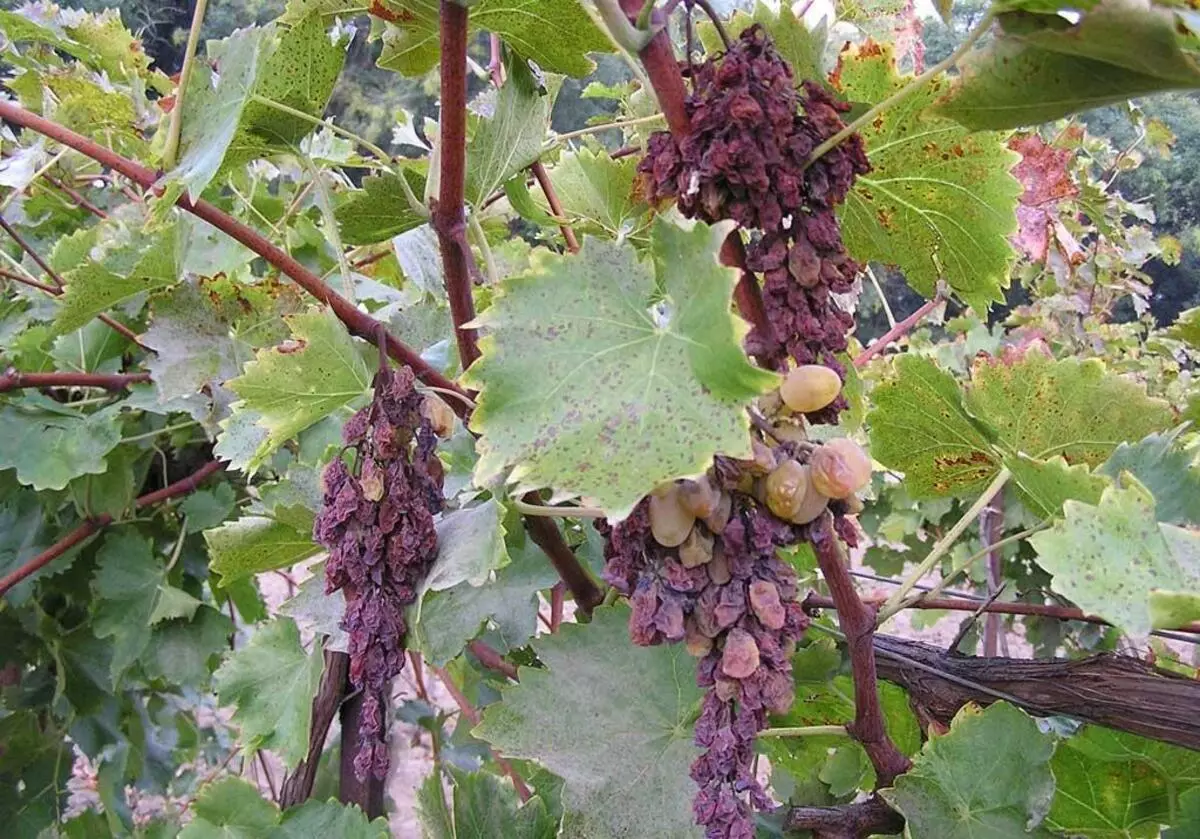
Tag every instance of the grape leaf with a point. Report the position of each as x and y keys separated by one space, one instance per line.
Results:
x=49 y=450
x=598 y=196
x=186 y=651
x=987 y=778
x=585 y=389
x=1115 y=560
x=380 y=209
x=1113 y=793
x=213 y=104
x=1188 y=823
x=510 y=140
x=292 y=386
x=317 y=611
x=446 y=620
x=626 y=771
x=470 y=547
x=126 y=587
x=253 y=544
x=147 y=263
x=486 y=806
x=1166 y=471
x=205 y=509
x=1043 y=68
x=331 y=819
x=557 y=34
x=230 y=808
x=22 y=537
x=1048 y=421
x=272 y=681
x=939 y=202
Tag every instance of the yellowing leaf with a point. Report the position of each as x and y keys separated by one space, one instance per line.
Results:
x=309 y=377
x=584 y=387
x=939 y=202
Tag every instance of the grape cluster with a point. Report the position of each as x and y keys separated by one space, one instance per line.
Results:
x=746 y=159
x=698 y=560
x=376 y=520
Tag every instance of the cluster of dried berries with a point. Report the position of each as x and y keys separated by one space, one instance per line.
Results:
x=698 y=561
x=376 y=520
x=746 y=159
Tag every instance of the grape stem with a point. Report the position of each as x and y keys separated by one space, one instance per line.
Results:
x=806 y=731
x=94 y=525
x=527 y=509
x=895 y=603
x=898 y=330
x=16 y=380
x=981 y=29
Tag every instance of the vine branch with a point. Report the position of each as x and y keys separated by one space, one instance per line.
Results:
x=297 y=785
x=857 y=621
x=16 y=380
x=897 y=331
x=356 y=321
x=449 y=211
x=94 y=525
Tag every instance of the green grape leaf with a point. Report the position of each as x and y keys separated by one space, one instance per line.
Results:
x=1188 y=823
x=185 y=652
x=484 y=805
x=292 y=386
x=299 y=73
x=510 y=139
x=319 y=612
x=470 y=547
x=331 y=819
x=231 y=808
x=1115 y=560
x=625 y=773
x=111 y=491
x=173 y=603
x=939 y=202
x=253 y=544
x=207 y=508
x=380 y=209
x=272 y=681
x=1075 y=408
x=1048 y=421
x=49 y=450
x=920 y=427
x=1043 y=68
x=557 y=34
x=446 y=620
x=1186 y=328
x=987 y=778
x=213 y=105
x=588 y=390
x=432 y=810
x=1166 y=471
x=148 y=263
x=126 y=586
x=598 y=195
x=22 y=537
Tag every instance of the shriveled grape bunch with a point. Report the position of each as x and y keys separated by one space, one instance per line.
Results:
x=698 y=561
x=376 y=520
x=746 y=158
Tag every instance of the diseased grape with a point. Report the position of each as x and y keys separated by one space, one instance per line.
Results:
x=740 y=658
x=785 y=488
x=697 y=549
x=378 y=527
x=699 y=497
x=719 y=518
x=810 y=387
x=764 y=601
x=669 y=521
x=840 y=468
x=439 y=414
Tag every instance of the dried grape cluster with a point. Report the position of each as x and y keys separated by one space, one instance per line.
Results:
x=698 y=560
x=376 y=520
x=746 y=159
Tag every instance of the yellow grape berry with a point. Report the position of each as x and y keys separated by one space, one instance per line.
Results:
x=785 y=489
x=840 y=468
x=809 y=388
x=670 y=523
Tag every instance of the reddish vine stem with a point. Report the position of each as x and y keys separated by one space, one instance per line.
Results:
x=116 y=326
x=25 y=281
x=899 y=330
x=472 y=714
x=449 y=211
x=492 y=660
x=1066 y=613
x=76 y=196
x=297 y=786
x=857 y=621
x=545 y=535
x=94 y=525
x=849 y=821
x=15 y=380
x=356 y=321
x=556 y=207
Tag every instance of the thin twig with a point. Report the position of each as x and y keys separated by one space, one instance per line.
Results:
x=76 y=196
x=175 y=127
x=15 y=380
x=897 y=331
x=94 y=525
x=556 y=208
x=707 y=8
x=23 y=245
